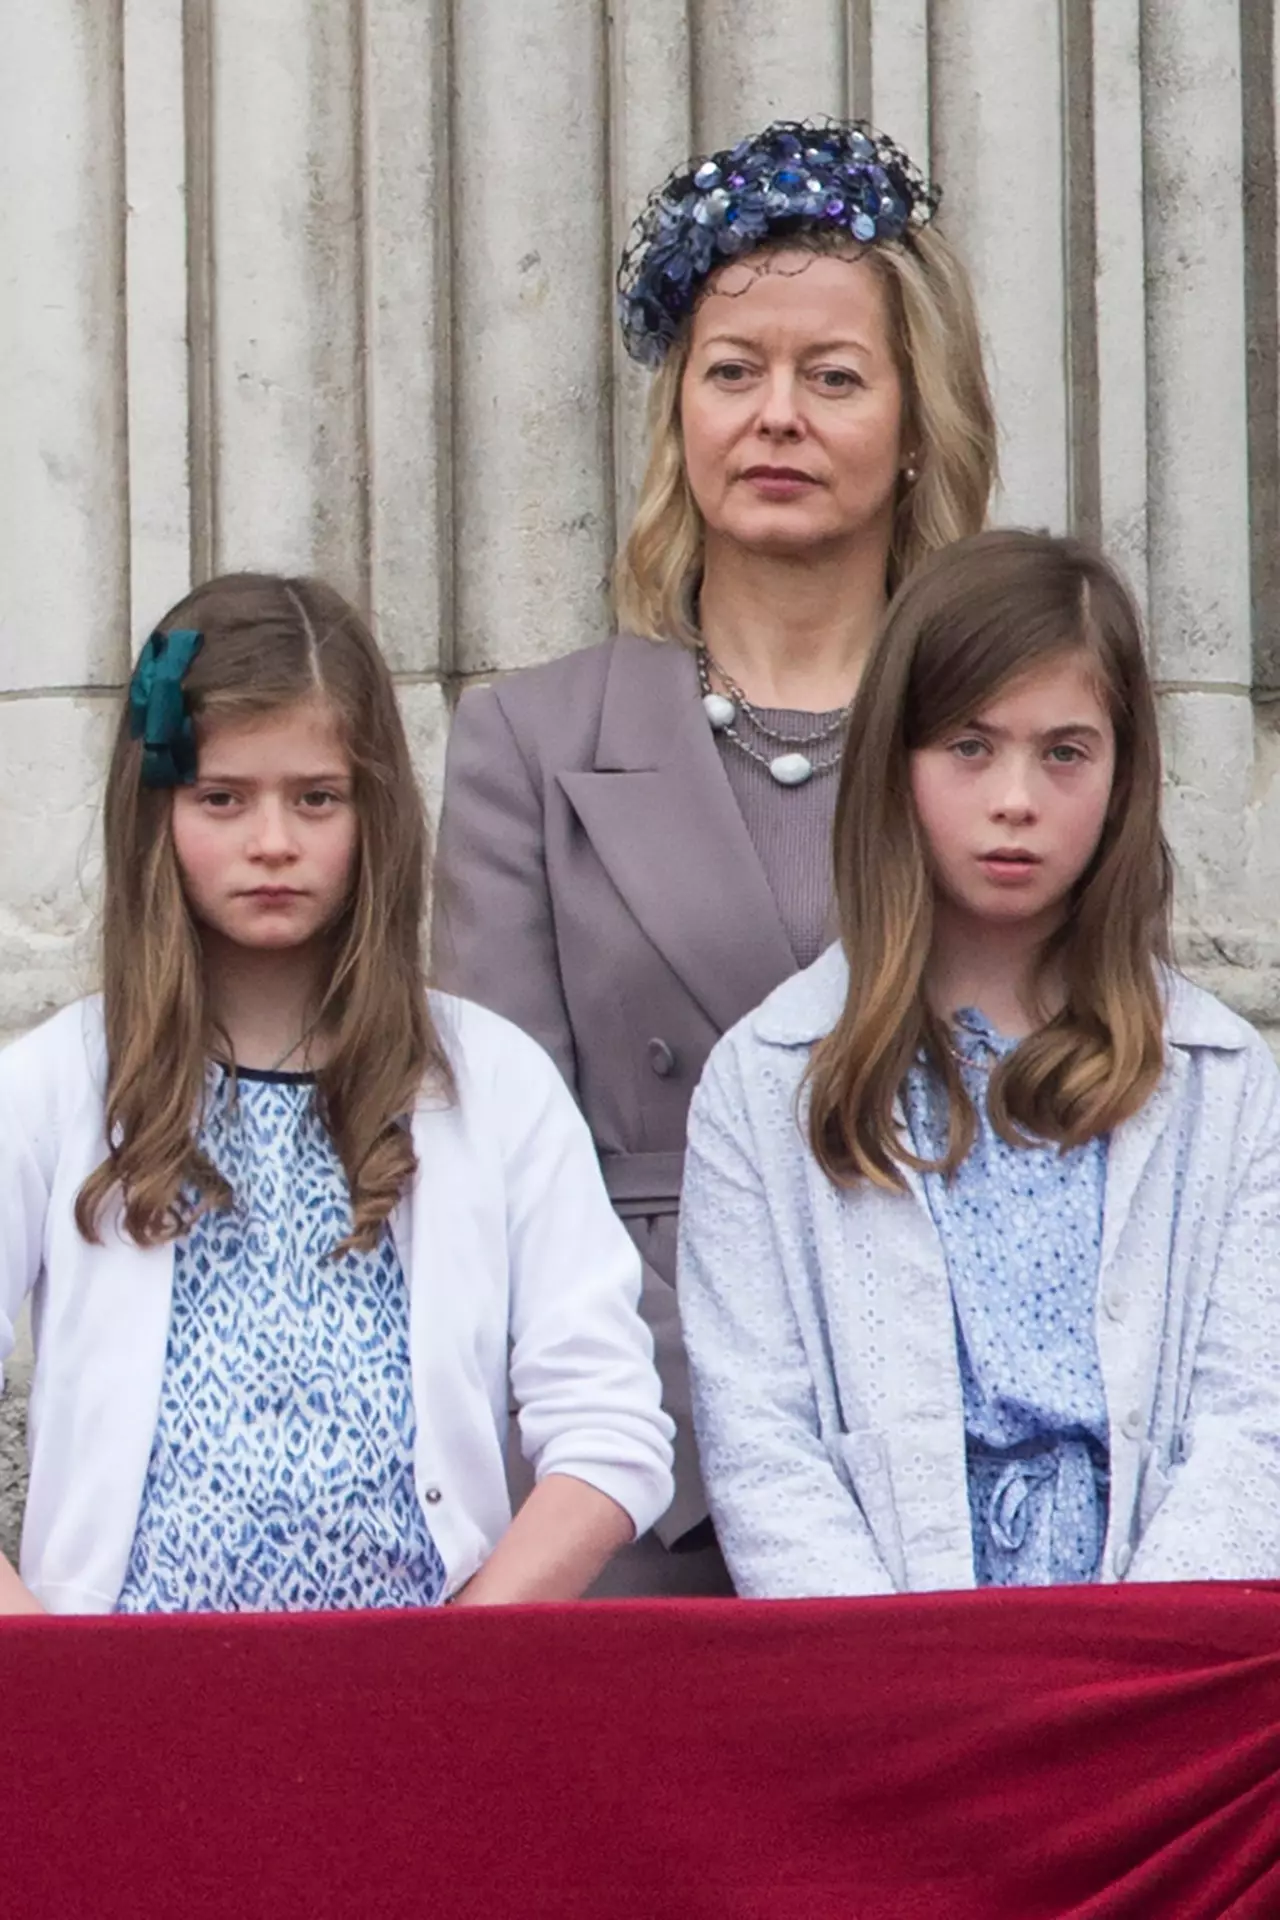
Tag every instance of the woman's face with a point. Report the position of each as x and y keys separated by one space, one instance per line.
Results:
x=791 y=404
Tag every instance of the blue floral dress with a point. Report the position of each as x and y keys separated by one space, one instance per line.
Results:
x=1021 y=1232
x=281 y=1476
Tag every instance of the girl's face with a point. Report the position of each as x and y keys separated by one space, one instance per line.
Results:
x=791 y=404
x=1013 y=801
x=266 y=837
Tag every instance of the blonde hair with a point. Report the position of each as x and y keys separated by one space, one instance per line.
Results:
x=948 y=418
x=268 y=643
x=967 y=623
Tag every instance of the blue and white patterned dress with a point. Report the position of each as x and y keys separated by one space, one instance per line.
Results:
x=1021 y=1232
x=281 y=1475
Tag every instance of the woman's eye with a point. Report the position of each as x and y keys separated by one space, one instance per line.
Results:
x=730 y=372
x=838 y=379
x=1063 y=754
x=217 y=801
x=318 y=799
x=968 y=749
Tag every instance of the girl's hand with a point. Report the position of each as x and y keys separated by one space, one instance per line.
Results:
x=14 y=1597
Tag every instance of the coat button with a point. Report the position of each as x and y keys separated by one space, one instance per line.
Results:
x=1132 y=1425
x=432 y=1496
x=1122 y=1561
x=1114 y=1304
x=661 y=1058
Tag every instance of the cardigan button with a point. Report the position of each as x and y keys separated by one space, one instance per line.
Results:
x=661 y=1058
x=432 y=1496
x=1132 y=1424
x=1123 y=1560
x=1114 y=1304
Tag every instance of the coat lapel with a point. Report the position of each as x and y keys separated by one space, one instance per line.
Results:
x=1130 y=1150
x=663 y=821
x=1192 y=1019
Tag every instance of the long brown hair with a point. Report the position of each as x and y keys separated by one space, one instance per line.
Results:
x=269 y=643
x=947 y=420
x=966 y=625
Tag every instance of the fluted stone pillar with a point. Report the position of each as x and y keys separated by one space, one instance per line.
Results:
x=327 y=285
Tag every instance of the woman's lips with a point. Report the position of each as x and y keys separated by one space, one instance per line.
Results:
x=779 y=483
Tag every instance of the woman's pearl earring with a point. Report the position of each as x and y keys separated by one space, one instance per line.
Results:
x=911 y=473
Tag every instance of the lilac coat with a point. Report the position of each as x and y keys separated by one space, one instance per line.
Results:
x=595 y=883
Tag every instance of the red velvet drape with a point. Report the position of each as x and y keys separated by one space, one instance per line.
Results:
x=1103 y=1754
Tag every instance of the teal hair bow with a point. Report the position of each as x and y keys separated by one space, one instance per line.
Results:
x=158 y=711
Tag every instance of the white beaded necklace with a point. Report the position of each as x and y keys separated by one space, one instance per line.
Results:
x=791 y=768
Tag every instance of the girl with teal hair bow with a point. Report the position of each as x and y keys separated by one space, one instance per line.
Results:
x=300 y=1229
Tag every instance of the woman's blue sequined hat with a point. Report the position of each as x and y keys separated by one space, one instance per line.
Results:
x=795 y=177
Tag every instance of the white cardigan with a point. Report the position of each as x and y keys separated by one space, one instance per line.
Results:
x=512 y=1254
x=821 y=1331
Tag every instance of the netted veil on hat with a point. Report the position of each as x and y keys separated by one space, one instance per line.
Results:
x=795 y=177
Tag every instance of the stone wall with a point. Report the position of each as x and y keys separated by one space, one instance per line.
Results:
x=325 y=284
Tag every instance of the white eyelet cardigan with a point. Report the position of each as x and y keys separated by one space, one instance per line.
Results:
x=821 y=1335
x=509 y=1246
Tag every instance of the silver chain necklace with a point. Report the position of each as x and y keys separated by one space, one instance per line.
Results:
x=791 y=768
x=297 y=1047
x=276 y=1065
